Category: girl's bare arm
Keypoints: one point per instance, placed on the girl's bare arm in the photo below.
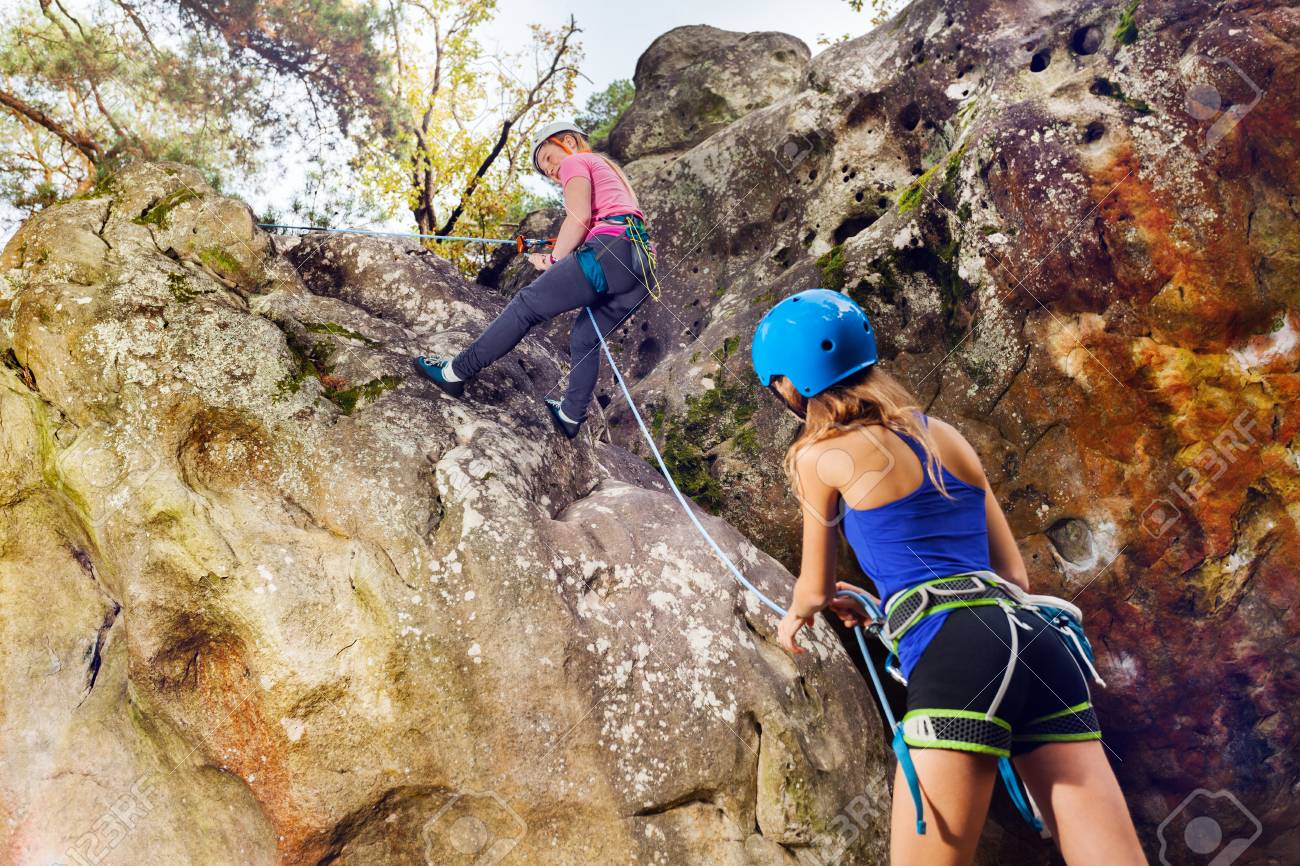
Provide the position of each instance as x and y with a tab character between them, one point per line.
577	217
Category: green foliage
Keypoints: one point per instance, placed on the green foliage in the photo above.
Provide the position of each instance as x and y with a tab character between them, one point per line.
85	95
880	10
463	121
1126	32
603	109
529	201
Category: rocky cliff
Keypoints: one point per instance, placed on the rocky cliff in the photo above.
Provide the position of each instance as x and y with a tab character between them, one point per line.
269	598
1075	226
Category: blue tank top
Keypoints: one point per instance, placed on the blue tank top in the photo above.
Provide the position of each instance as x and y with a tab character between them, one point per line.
919	537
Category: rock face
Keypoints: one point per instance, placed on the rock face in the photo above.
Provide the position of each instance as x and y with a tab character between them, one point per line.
1075	225
693	81
268	597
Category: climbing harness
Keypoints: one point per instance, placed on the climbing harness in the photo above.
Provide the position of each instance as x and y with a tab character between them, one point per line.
1046	606
635	232
979	589
519	242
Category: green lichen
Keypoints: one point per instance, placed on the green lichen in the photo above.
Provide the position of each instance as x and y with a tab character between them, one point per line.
965	113
220	260
348	399
657	415
157	215
767	297
953	173
104	185
937	262
722	413
48	459
337	330
180	288
310	364
915	191
1106	87
831	267
728	348
720	290
1126	32
713	109
965	212
747	441
910	197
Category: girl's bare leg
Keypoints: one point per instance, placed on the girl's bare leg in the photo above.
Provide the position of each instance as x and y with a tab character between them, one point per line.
1081	802
956	788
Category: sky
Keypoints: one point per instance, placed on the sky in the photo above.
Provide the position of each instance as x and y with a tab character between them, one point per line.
614	35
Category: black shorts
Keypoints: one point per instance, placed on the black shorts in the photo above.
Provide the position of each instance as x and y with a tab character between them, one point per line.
961	671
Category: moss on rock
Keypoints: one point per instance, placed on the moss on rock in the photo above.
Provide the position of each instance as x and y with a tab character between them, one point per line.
156	215
831	267
347	399
1126	32
337	330
722	413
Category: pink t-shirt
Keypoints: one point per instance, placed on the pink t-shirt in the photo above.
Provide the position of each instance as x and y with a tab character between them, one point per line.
609	195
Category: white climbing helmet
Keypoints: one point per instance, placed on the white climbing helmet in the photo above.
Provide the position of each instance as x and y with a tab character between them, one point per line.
555	127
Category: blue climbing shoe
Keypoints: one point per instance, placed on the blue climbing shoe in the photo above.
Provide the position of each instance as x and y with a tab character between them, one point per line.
432	369
568	428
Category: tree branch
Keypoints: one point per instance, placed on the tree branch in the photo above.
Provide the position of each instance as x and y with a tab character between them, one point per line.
531	100
82	142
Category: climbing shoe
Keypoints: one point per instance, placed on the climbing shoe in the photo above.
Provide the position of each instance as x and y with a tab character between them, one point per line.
433	369
569	428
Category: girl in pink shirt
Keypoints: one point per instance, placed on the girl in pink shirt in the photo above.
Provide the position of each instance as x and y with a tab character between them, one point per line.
602	260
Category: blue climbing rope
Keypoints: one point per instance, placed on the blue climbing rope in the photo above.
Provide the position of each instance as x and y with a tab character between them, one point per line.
898	744
514	242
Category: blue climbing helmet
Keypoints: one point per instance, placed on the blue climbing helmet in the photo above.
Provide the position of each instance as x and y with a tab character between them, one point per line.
814	339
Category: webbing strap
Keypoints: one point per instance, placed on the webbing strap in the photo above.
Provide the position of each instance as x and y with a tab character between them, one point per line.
1018	795
945	593
909	773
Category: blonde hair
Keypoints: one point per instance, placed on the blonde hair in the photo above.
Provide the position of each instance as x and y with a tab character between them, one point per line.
870	396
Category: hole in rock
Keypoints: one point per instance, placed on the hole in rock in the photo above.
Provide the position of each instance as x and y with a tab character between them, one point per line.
1086	40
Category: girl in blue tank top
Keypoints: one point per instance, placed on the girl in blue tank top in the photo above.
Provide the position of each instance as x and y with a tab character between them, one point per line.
927	533
991	683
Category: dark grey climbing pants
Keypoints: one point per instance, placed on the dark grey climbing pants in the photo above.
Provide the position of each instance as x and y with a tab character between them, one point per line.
562	288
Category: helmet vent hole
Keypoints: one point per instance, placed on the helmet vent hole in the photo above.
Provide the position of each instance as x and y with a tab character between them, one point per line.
827	345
